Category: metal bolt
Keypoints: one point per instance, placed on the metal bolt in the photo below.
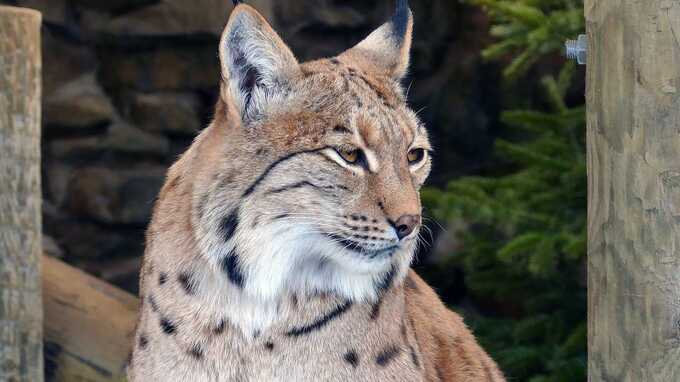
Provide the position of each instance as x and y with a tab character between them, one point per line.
577	49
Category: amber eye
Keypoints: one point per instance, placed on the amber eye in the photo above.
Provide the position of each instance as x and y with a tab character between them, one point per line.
350	156
416	155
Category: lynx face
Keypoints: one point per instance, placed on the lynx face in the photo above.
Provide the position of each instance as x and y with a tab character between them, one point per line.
316	187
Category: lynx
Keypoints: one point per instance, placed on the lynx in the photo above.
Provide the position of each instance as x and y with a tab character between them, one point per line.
280	244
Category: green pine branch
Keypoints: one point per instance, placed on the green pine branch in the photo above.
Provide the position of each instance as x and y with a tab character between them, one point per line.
525	242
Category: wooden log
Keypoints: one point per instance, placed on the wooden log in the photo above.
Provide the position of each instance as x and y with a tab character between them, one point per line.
633	102
20	199
89	325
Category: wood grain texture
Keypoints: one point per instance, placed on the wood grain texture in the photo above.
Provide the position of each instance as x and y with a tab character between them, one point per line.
89	325
633	100
20	199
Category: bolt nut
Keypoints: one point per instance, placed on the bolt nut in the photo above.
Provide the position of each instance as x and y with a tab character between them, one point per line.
577	49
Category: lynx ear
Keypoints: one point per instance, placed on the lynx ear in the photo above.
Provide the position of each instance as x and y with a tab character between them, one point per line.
388	46
256	63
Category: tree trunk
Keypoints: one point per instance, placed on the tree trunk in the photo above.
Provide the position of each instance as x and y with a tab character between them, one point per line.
20	204
633	101
89	325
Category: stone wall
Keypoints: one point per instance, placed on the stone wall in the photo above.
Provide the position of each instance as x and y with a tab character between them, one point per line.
129	83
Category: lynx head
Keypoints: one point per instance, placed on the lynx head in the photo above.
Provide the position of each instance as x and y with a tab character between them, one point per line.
314	177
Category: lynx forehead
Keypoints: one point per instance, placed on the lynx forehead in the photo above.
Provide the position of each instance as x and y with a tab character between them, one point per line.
280	245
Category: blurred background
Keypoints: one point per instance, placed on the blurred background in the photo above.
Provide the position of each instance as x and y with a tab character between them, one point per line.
127	84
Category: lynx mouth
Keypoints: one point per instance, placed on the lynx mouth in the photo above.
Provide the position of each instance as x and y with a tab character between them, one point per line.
354	246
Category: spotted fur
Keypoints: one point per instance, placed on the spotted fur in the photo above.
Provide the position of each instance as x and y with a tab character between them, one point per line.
280	244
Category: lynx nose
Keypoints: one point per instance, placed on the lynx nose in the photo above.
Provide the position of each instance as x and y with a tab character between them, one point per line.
405	225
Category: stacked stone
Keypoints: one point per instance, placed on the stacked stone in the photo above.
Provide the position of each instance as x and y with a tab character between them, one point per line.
129	83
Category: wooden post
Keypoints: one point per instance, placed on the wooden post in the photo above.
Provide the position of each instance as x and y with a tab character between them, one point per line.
633	101
20	199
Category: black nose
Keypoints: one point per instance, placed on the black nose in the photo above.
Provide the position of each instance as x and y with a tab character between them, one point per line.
406	224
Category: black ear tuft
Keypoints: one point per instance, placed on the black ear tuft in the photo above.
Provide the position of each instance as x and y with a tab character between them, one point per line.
237	2
400	20
387	48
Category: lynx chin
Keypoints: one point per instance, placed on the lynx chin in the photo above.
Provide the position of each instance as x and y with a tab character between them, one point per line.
280	244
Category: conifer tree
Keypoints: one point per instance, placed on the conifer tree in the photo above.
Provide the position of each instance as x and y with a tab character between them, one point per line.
524	245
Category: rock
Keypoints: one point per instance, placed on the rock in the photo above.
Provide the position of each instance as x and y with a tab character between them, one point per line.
90	22
57	177
116	6
137	194
63	61
114	196
182	67
120	266
125	138
317	29
70	19
64	149
53	11
301	14
79	103
87	240
120	138
173	17
122	272
51	248
50	213
172	113
93	194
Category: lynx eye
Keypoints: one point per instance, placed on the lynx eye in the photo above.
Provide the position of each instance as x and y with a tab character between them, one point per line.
350	156
415	155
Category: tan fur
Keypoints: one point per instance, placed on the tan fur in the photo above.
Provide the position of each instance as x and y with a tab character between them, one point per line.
270	258
449	349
